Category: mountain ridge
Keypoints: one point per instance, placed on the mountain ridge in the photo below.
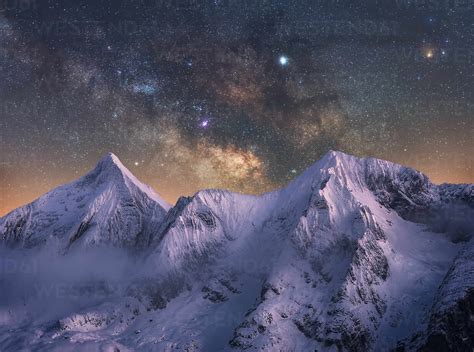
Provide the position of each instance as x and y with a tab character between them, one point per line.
352	255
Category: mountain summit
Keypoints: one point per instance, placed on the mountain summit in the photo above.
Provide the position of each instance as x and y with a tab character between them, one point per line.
111	165
352	255
109	205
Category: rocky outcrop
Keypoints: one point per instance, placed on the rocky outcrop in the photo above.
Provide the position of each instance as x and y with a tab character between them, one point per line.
452	324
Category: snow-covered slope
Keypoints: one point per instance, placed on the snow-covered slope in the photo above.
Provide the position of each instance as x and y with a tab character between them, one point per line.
106	206
353	255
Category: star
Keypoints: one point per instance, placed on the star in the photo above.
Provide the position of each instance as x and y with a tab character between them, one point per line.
250	79
204	123
283	60
429	53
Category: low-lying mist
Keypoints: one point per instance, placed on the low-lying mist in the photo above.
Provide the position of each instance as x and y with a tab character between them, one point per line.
47	285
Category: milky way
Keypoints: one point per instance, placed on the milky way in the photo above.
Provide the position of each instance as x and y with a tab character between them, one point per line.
230	94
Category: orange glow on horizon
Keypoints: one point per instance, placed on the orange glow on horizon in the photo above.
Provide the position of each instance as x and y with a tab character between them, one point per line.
23	190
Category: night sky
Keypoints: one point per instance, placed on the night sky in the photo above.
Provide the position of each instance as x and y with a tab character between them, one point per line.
231	94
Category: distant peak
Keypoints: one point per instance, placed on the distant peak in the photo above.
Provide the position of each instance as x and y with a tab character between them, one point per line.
334	153
110	160
111	168
110	155
110	165
334	157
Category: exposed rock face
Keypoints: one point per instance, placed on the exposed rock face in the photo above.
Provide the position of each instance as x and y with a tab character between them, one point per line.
452	324
353	255
402	189
452	331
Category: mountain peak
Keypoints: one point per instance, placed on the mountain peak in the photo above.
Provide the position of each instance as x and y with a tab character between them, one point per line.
334	159
110	160
337	155
332	152
111	165
111	156
110	168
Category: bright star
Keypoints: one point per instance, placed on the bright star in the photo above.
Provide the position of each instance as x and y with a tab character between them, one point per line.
204	123
283	60
429	53
136	163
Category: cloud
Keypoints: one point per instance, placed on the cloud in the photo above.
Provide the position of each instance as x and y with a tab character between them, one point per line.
43	283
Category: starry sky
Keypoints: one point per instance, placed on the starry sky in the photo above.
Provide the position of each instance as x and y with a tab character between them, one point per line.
236	94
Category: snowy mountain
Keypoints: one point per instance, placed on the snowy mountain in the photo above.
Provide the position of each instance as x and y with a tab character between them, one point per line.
353	255
106	206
